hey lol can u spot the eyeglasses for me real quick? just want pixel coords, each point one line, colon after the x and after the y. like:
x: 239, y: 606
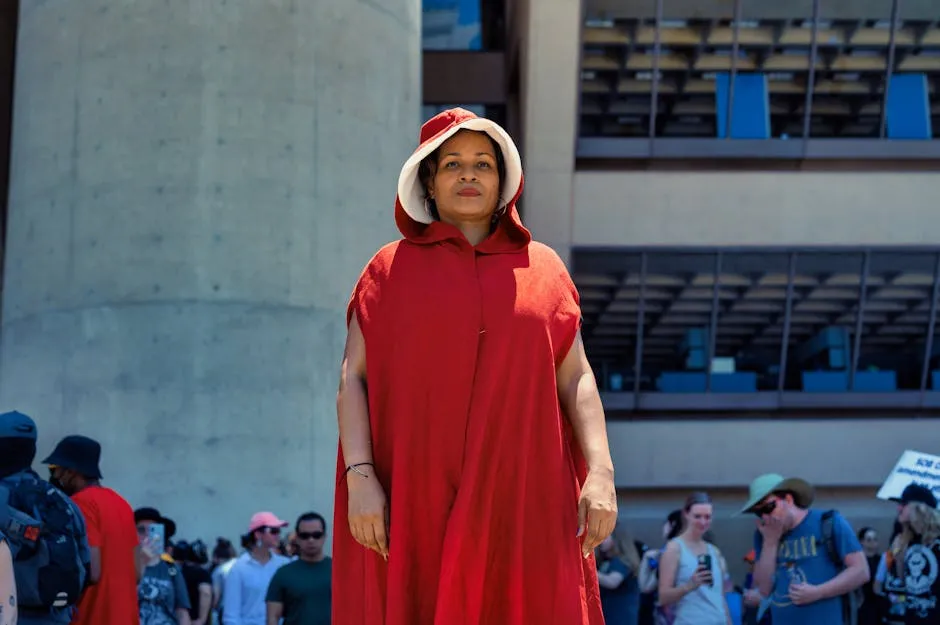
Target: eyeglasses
x: 310, y: 535
x: 273, y: 531
x: 761, y: 511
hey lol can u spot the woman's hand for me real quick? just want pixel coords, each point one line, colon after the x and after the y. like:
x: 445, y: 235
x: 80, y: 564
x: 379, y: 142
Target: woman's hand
x: 597, y: 509
x: 702, y: 577
x: 368, y: 511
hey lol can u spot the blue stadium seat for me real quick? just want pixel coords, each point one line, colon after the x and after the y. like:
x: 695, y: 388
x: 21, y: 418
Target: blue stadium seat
x: 751, y: 114
x: 908, y: 107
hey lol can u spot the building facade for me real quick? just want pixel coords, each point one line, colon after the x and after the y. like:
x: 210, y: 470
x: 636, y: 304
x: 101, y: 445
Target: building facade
x: 746, y: 197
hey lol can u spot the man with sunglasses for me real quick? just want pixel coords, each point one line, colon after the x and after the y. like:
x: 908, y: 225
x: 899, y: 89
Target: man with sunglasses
x: 300, y: 591
x: 803, y: 575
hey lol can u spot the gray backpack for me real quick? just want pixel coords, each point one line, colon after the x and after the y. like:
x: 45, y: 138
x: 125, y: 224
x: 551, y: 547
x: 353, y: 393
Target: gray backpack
x: 853, y: 600
x: 39, y: 523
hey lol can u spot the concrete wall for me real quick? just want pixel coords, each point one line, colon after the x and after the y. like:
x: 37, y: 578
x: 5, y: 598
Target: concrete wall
x: 729, y: 453
x: 751, y: 208
x: 549, y: 76
x: 195, y: 188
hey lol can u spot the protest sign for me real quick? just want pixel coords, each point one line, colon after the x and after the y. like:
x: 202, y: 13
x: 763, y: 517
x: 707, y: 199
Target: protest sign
x: 913, y: 466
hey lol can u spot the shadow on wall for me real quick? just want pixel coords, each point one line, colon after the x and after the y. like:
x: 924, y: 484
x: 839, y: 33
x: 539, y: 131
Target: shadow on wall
x: 8, y: 19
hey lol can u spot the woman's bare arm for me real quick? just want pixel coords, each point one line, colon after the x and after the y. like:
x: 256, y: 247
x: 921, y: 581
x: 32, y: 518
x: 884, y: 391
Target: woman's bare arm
x: 581, y: 403
x: 368, y: 506
x: 352, y: 404
x: 669, y: 593
x: 8, y: 610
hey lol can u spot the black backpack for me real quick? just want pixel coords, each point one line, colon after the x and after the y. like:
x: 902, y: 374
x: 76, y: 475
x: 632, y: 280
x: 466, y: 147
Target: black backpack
x: 851, y: 601
x: 45, y: 538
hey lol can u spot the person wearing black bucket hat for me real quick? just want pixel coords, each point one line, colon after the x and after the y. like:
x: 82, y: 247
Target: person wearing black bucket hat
x: 112, y: 534
x: 144, y: 517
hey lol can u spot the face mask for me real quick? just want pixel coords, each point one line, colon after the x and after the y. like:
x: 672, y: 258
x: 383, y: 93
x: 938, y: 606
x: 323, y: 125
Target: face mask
x: 56, y: 482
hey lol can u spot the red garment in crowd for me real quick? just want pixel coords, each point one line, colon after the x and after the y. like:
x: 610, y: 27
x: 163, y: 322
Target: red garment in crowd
x: 479, y: 463
x: 109, y: 521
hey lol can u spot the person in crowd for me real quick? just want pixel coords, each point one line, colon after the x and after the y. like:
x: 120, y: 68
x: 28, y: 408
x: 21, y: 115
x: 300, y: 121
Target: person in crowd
x: 145, y: 517
x: 751, y: 597
x: 888, y: 586
x: 223, y: 558
x: 481, y: 440
x: 917, y: 553
x: 161, y: 592
x: 869, y: 613
x: 60, y: 553
x: 8, y: 608
x: 650, y: 610
x: 74, y: 467
x: 618, y: 565
x: 692, y: 571
x: 804, y: 577
x: 192, y: 558
x: 300, y: 591
x: 246, y: 586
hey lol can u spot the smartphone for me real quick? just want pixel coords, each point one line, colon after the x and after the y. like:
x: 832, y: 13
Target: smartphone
x: 705, y: 562
x: 156, y: 534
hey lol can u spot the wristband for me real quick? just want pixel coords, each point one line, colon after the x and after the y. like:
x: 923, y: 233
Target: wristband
x: 355, y: 469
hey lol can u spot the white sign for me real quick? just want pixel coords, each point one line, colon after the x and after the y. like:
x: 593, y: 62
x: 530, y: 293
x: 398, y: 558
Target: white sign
x: 912, y: 467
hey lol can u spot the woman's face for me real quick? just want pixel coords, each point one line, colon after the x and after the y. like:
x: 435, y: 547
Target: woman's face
x: 699, y: 517
x: 465, y: 183
x: 870, y: 542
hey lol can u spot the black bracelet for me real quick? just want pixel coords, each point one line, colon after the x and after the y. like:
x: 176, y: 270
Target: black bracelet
x: 354, y: 469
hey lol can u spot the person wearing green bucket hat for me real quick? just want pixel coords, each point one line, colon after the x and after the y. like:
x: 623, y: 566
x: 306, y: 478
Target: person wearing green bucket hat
x: 808, y: 560
x: 769, y: 483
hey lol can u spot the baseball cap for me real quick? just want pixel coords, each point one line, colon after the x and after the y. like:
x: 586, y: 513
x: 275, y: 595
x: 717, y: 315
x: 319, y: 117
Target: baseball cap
x: 265, y: 519
x: 17, y: 425
x: 916, y: 493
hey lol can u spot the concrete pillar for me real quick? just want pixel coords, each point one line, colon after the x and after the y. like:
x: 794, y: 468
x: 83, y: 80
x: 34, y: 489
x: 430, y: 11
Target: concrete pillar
x: 551, y: 35
x: 195, y: 186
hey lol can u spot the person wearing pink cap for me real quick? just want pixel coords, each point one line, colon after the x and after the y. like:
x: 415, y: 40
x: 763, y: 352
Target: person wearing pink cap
x: 246, y: 585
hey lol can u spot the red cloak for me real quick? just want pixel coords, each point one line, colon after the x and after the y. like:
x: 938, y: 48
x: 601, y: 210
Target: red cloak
x: 480, y: 466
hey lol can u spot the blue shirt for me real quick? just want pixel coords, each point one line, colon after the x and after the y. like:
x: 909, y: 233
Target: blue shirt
x: 246, y: 588
x: 618, y: 604
x: 802, y: 557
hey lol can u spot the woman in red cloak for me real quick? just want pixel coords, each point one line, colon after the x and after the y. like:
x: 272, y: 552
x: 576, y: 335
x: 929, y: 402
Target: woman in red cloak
x: 474, y: 477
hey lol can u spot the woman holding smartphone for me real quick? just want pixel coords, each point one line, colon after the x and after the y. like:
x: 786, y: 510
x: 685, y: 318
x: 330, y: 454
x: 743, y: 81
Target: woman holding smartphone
x: 691, y: 573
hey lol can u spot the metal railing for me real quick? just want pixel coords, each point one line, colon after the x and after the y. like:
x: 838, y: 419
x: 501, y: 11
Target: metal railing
x: 654, y: 145
x: 871, y: 267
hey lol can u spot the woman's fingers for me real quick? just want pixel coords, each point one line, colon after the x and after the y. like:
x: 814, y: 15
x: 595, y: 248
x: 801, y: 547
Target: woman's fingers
x: 380, y: 531
x: 600, y: 523
x: 371, y: 533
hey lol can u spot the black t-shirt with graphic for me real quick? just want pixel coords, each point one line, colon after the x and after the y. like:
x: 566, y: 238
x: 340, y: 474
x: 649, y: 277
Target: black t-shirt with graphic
x: 922, y: 583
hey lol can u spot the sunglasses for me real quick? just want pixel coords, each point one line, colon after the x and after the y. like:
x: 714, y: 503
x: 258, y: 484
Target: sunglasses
x: 761, y: 511
x: 273, y: 531
x: 310, y: 535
